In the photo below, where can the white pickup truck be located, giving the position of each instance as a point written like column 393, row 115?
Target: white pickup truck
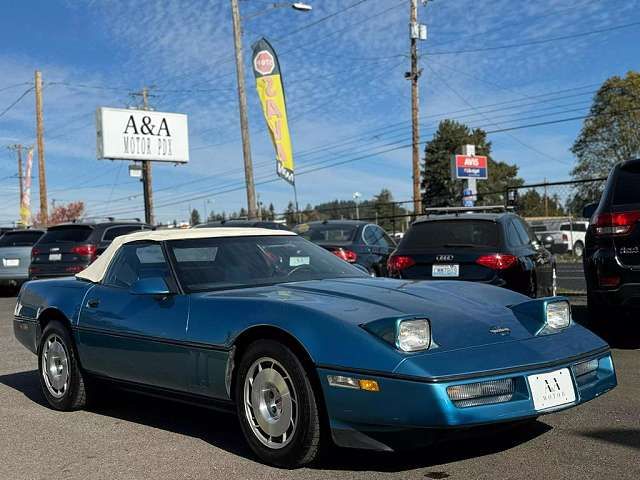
column 573, row 234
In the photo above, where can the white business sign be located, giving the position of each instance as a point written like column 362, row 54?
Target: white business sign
column 142, row 135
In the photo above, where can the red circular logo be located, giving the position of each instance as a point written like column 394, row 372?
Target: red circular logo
column 264, row 63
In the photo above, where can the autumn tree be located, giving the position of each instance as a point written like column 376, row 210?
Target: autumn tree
column 62, row 213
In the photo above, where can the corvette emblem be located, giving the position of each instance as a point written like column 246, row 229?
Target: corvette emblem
column 444, row 258
column 500, row 330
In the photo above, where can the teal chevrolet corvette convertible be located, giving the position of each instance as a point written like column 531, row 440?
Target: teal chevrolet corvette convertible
column 305, row 348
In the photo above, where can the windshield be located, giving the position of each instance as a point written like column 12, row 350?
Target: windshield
column 627, row 190
column 205, row 264
column 20, row 239
column 67, row 234
column 327, row 232
column 452, row 233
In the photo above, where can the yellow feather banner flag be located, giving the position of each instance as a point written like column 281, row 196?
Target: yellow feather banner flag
column 271, row 92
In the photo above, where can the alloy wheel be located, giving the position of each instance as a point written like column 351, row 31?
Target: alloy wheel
column 270, row 403
column 55, row 366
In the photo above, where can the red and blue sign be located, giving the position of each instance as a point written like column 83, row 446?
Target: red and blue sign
column 471, row 166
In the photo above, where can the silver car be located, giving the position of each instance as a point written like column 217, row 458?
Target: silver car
column 15, row 256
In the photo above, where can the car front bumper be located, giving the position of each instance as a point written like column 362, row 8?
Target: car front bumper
column 408, row 412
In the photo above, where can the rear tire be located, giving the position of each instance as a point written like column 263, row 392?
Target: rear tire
column 61, row 379
column 277, row 406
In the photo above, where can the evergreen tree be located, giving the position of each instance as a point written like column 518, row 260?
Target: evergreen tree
column 195, row 217
column 440, row 189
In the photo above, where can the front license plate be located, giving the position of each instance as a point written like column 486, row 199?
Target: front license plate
column 55, row 257
column 11, row 262
column 452, row 270
column 551, row 389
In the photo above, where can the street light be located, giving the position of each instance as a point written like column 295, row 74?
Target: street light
column 356, row 196
column 242, row 98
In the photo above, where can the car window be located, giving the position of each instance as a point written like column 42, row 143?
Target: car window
column 385, row 240
column 370, row 235
column 113, row 232
column 565, row 226
column 523, row 232
column 513, row 237
column 327, row 232
column 627, row 186
column 20, row 239
column 451, row 233
column 233, row 262
column 135, row 261
column 72, row 233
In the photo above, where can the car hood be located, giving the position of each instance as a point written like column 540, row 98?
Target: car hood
column 462, row 314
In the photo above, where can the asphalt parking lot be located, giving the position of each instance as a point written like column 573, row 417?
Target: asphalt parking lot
column 571, row 278
column 134, row 437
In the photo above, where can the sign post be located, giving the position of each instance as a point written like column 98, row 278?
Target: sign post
column 470, row 167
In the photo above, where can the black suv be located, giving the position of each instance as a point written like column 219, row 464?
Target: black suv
column 69, row 248
column 477, row 245
column 612, row 245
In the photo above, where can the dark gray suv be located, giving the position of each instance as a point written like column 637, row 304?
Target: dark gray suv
column 67, row 249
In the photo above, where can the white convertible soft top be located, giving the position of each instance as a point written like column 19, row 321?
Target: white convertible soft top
column 97, row 269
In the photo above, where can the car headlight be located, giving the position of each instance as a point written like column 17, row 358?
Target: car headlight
column 413, row 335
column 558, row 314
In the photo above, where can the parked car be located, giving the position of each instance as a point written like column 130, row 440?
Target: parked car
column 552, row 240
column 69, row 248
column 354, row 241
column 496, row 248
column 305, row 348
column 573, row 234
column 15, row 251
column 612, row 247
column 244, row 223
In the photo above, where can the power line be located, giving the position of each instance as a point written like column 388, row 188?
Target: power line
column 466, row 102
column 362, row 137
column 15, row 102
column 381, row 152
column 8, row 87
column 534, row 42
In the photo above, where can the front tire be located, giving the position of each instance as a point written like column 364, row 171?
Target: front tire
column 61, row 379
column 277, row 406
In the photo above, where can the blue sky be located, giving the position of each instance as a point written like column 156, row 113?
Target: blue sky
column 344, row 79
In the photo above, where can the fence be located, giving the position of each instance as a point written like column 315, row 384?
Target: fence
column 561, row 200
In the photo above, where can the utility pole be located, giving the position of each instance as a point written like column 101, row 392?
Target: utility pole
column 146, row 169
column 244, row 121
column 42, row 179
column 415, row 127
column 18, row 149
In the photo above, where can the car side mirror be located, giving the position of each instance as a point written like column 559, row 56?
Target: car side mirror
column 589, row 210
column 150, row 286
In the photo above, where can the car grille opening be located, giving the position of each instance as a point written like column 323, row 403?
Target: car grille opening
column 481, row 393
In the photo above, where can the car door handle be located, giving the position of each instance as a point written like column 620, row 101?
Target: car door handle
column 93, row 303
